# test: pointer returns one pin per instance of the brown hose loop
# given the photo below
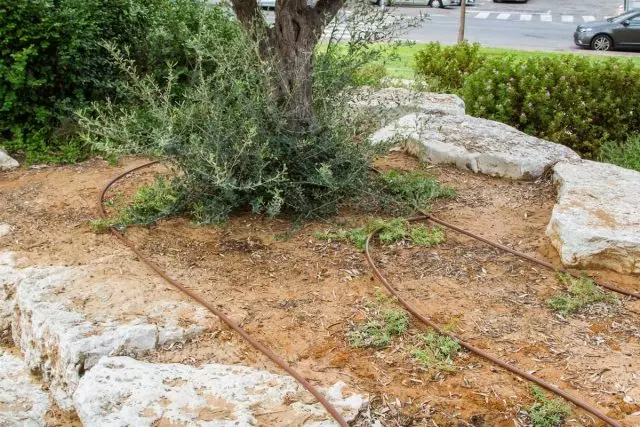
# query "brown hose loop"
(193, 295)
(414, 311)
(545, 264)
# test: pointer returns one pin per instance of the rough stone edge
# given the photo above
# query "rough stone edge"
(7, 162)
(606, 257)
(17, 386)
(184, 380)
(73, 339)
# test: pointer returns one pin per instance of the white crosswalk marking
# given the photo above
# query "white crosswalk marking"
(545, 18)
(483, 15)
(567, 18)
(503, 16)
(525, 17)
(589, 18)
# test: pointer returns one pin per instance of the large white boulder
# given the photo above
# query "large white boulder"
(22, 402)
(407, 100)
(64, 319)
(120, 391)
(474, 144)
(596, 220)
(7, 162)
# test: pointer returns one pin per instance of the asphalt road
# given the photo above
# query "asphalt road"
(535, 25)
(504, 29)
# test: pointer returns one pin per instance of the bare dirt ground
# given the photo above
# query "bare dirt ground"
(299, 295)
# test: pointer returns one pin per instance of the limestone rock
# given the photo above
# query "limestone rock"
(596, 220)
(407, 100)
(7, 291)
(121, 391)
(5, 229)
(475, 144)
(62, 335)
(22, 403)
(7, 162)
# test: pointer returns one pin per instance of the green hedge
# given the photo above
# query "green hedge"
(53, 62)
(570, 99)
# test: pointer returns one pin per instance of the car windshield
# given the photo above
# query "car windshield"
(626, 15)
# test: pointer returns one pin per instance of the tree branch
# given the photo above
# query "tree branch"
(249, 15)
(327, 9)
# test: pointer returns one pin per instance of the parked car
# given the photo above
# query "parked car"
(513, 1)
(619, 32)
(457, 2)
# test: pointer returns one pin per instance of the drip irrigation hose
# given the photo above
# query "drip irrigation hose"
(545, 264)
(196, 297)
(414, 311)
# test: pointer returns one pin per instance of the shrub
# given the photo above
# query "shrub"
(226, 138)
(53, 61)
(448, 66)
(227, 130)
(626, 154)
(567, 99)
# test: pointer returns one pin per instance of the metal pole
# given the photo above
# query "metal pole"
(626, 5)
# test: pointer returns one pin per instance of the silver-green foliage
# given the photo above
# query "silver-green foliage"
(226, 132)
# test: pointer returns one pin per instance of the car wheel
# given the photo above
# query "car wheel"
(602, 42)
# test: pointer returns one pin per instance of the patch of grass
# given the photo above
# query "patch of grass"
(414, 189)
(149, 204)
(581, 292)
(436, 350)
(378, 332)
(626, 155)
(403, 64)
(391, 231)
(546, 412)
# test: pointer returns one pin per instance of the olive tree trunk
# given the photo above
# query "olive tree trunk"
(290, 44)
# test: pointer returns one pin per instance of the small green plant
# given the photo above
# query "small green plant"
(378, 332)
(391, 231)
(147, 206)
(436, 350)
(546, 412)
(424, 236)
(581, 293)
(626, 155)
(414, 189)
(357, 236)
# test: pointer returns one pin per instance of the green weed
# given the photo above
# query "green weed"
(378, 332)
(147, 206)
(546, 412)
(391, 231)
(414, 189)
(436, 350)
(581, 293)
